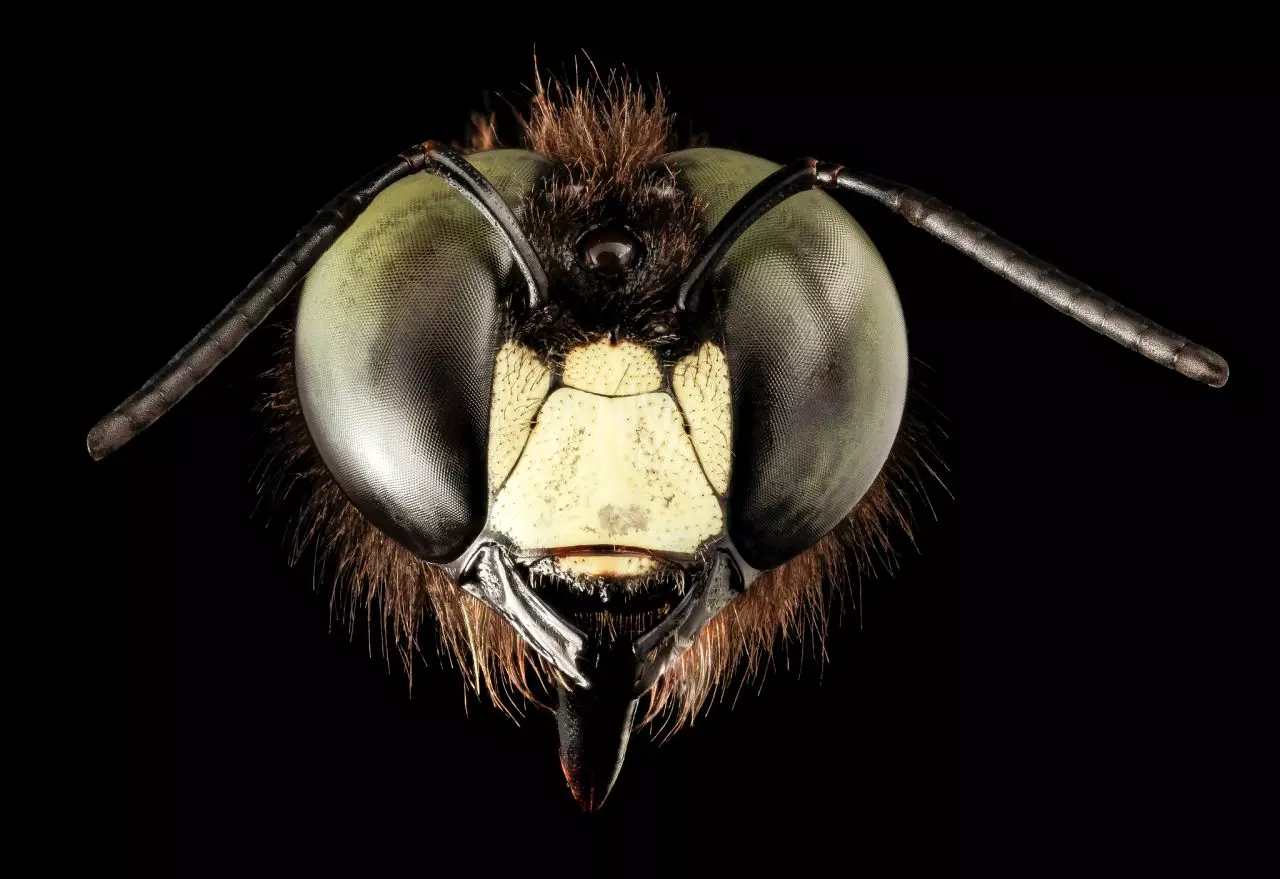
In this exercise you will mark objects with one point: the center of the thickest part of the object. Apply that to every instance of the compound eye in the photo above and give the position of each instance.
(610, 250)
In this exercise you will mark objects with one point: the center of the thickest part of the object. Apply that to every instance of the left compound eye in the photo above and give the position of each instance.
(610, 250)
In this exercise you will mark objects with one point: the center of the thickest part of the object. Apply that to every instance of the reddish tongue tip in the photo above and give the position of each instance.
(594, 731)
(583, 790)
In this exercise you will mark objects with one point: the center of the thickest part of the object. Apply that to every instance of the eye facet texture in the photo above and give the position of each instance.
(817, 354)
(397, 335)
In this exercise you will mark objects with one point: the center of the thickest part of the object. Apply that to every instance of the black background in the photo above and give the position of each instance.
(1065, 668)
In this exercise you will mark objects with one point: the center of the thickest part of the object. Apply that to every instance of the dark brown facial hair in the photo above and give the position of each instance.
(610, 132)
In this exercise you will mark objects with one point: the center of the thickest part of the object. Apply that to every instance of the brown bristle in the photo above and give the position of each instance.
(608, 138)
(607, 129)
(482, 134)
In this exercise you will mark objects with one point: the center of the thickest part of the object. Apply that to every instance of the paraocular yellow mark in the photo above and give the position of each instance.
(701, 385)
(520, 384)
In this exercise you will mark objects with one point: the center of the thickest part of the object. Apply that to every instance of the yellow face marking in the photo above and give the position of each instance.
(611, 460)
(612, 369)
(520, 384)
(701, 385)
(608, 471)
